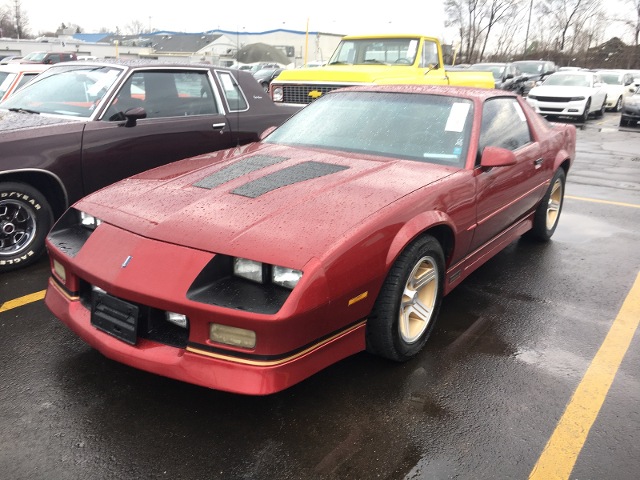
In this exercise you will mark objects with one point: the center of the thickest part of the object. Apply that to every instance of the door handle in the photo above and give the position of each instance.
(537, 163)
(219, 126)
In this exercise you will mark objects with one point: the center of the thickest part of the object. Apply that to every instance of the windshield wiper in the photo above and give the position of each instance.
(23, 110)
(337, 62)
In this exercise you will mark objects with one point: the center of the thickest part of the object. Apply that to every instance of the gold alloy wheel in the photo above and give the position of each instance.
(418, 300)
(555, 202)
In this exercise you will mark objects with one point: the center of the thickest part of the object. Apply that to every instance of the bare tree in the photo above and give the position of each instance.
(495, 12)
(136, 27)
(566, 16)
(634, 20)
(477, 21)
(14, 23)
(507, 45)
(466, 16)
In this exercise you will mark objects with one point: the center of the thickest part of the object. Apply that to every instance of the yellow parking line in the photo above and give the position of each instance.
(561, 452)
(607, 202)
(18, 302)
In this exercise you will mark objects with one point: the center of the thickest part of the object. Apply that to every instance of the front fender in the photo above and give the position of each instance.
(413, 228)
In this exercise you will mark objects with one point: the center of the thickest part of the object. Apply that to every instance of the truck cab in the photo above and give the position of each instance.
(374, 59)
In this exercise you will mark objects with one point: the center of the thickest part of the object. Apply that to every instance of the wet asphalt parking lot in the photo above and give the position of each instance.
(532, 372)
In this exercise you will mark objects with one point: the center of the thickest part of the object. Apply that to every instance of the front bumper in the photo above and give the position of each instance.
(204, 367)
(631, 112)
(572, 108)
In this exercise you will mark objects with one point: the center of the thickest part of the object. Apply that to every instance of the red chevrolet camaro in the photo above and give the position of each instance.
(250, 269)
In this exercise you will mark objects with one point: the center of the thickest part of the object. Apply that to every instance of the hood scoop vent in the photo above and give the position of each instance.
(238, 169)
(287, 176)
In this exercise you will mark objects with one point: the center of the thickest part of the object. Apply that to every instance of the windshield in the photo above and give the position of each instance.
(69, 90)
(568, 80)
(388, 51)
(531, 67)
(496, 70)
(611, 78)
(35, 56)
(424, 128)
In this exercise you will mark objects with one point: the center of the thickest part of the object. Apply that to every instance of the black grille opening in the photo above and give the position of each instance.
(152, 322)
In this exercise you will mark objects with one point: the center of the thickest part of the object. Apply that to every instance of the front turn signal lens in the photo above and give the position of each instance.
(59, 270)
(236, 337)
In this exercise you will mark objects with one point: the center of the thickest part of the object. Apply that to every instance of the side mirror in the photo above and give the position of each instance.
(497, 157)
(509, 76)
(267, 132)
(133, 115)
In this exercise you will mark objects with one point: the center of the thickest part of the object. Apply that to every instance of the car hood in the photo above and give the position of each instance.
(17, 121)
(235, 201)
(561, 91)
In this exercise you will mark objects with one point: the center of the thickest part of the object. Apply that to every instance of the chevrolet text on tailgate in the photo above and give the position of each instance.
(377, 59)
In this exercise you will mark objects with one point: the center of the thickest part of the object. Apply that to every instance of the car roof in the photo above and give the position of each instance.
(471, 93)
(574, 72)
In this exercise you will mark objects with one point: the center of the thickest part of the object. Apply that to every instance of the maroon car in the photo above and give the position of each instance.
(81, 126)
(249, 270)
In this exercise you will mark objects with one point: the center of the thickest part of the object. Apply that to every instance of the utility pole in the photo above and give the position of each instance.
(18, 27)
(526, 37)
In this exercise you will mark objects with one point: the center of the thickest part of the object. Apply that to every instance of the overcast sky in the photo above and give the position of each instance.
(331, 16)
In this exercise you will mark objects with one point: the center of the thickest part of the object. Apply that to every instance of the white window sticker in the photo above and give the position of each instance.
(413, 48)
(457, 117)
(7, 82)
(519, 111)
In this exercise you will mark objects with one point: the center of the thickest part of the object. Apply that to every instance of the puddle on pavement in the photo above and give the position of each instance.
(577, 228)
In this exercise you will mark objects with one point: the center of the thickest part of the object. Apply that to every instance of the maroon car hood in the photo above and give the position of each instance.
(236, 201)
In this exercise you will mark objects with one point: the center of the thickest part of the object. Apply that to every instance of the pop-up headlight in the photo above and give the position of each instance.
(264, 273)
(285, 277)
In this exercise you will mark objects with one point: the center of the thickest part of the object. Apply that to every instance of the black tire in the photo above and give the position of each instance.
(618, 106)
(600, 113)
(585, 115)
(412, 292)
(548, 212)
(624, 122)
(265, 87)
(25, 221)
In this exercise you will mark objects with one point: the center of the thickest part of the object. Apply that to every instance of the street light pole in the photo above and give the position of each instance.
(526, 37)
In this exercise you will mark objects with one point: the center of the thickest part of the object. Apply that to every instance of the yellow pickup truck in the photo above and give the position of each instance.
(379, 59)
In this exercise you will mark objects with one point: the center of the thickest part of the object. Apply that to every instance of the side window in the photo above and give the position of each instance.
(26, 78)
(429, 54)
(162, 94)
(232, 92)
(503, 125)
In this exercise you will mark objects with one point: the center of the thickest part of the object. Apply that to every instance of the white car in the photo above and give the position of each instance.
(573, 94)
(618, 84)
(15, 75)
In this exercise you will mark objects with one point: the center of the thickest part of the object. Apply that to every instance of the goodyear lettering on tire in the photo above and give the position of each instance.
(20, 259)
(20, 196)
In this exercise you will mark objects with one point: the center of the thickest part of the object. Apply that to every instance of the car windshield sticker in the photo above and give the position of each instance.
(457, 117)
(411, 51)
(104, 81)
(519, 111)
(7, 81)
(287, 176)
(238, 169)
